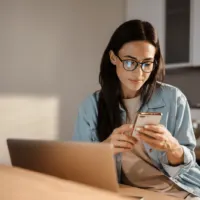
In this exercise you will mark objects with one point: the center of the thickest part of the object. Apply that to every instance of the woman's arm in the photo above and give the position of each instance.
(85, 125)
(177, 148)
(182, 158)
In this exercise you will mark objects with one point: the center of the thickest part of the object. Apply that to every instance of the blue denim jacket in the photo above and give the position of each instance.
(176, 118)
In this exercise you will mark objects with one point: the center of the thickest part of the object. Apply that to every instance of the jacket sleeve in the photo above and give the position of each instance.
(185, 135)
(85, 125)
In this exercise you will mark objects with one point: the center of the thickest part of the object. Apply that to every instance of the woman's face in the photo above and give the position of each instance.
(129, 54)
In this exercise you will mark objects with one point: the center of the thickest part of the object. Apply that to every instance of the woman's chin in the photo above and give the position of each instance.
(135, 88)
(131, 90)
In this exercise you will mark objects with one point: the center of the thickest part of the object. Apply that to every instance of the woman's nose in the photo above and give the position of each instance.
(138, 70)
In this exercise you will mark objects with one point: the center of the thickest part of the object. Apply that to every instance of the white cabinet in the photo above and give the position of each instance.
(154, 11)
(195, 32)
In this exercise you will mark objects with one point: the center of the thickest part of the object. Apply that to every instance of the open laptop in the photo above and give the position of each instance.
(89, 163)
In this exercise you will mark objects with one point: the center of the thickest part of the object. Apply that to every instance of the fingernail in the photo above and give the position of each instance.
(146, 126)
(131, 126)
(138, 129)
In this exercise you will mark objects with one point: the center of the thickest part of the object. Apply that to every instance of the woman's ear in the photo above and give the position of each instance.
(112, 57)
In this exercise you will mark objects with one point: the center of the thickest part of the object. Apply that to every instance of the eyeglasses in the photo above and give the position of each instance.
(131, 65)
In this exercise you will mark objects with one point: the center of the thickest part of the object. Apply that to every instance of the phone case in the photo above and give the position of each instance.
(143, 119)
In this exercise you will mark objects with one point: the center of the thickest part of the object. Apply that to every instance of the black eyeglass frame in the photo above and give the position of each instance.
(138, 63)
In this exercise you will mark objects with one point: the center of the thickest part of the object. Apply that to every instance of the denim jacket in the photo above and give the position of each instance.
(172, 103)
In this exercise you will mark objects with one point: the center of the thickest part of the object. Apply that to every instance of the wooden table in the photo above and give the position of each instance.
(18, 184)
(22, 184)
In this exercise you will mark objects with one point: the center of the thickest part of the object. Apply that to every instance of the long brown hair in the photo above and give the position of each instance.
(110, 94)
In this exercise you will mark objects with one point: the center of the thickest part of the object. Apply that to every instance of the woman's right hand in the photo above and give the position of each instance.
(121, 139)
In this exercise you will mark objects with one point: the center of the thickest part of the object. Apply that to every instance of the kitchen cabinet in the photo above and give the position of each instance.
(156, 12)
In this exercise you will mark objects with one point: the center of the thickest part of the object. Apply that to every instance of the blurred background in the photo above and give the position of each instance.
(50, 52)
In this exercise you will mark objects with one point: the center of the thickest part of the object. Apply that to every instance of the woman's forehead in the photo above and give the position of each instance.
(138, 49)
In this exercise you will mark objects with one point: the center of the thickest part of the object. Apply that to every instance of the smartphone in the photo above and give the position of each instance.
(146, 118)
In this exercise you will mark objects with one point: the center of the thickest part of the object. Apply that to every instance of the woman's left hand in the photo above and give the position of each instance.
(158, 137)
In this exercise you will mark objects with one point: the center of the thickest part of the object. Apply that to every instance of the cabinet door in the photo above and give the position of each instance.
(195, 25)
(177, 40)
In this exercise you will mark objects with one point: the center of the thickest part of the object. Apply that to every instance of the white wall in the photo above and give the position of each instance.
(50, 53)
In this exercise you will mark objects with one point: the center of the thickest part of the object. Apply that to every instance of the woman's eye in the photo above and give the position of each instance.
(147, 64)
(129, 63)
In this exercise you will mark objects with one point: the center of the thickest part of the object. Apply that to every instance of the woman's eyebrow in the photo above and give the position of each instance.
(148, 59)
(132, 57)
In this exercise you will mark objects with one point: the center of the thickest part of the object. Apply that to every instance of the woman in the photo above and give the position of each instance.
(162, 157)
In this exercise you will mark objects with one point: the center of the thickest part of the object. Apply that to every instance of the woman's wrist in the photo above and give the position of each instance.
(175, 155)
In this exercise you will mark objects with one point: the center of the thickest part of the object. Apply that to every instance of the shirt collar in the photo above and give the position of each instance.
(156, 101)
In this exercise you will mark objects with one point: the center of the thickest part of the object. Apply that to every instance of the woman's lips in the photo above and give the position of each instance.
(135, 81)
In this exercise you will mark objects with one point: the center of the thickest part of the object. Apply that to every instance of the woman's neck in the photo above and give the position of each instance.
(129, 94)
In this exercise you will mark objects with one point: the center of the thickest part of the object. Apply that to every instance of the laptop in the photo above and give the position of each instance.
(89, 163)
